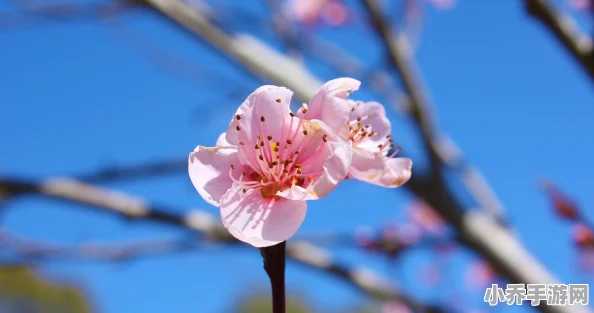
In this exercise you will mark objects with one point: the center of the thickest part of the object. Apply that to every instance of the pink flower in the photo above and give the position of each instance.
(363, 124)
(580, 5)
(443, 4)
(309, 12)
(265, 167)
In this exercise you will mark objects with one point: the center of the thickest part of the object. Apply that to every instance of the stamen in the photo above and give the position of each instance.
(289, 141)
(262, 118)
(238, 128)
(238, 117)
(269, 137)
(278, 100)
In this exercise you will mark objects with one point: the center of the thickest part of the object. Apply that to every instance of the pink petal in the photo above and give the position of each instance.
(260, 222)
(209, 171)
(222, 141)
(336, 167)
(329, 104)
(264, 93)
(328, 162)
(374, 115)
(374, 168)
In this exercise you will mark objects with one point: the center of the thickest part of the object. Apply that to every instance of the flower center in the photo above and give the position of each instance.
(360, 132)
(273, 165)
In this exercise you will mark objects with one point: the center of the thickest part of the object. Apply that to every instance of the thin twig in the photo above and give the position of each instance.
(563, 27)
(410, 80)
(134, 208)
(516, 264)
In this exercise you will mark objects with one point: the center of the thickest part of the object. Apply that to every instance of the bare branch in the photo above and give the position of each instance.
(411, 81)
(268, 64)
(34, 250)
(203, 223)
(563, 27)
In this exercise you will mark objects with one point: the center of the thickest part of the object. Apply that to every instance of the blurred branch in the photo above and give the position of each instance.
(283, 28)
(566, 31)
(64, 12)
(419, 104)
(134, 208)
(475, 229)
(34, 250)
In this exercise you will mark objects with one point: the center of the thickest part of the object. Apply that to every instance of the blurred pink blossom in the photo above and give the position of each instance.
(583, 236)
(425, 216)
(395, 307)
(260, 182)
(309, 12)
(443, 4)
(480, 274)
(366, 126)
(580, 5)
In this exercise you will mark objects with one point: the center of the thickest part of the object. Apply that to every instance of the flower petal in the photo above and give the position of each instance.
(209, 171)
(329, 104)
(260, 222)
(222, 141)
(328, 162)
(374, 115)
(263, 93)
(375, 168)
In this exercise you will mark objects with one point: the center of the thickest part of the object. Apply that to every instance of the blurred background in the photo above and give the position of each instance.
(101, 101)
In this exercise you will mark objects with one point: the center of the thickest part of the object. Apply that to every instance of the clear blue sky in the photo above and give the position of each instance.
(77, 96)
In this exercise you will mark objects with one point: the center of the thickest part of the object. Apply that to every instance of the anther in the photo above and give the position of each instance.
(352, 109)
(304, 110)
(289, 161)
(269, 137)
(285, 171)
(261, 143)
(244, 190)
(304, 132)
(380, 146)
(296, 152)
(232, 166)
(276, 149)
(289, 141)
(299, 171)
(278, 100)
(244, 173)
(358, 118)
(259, 136)
(261, 158)
(291, 113)
(297, 165)
(238, 128)
(262, 118)
(325, 138)
(257, 147)
(241, 143)
(238, 117)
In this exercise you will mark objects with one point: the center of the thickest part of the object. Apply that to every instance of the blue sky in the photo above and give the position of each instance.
(77, 96)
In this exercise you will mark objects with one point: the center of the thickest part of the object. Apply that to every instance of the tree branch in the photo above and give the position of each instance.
(134, 208)
(271, 66)
(566, 31)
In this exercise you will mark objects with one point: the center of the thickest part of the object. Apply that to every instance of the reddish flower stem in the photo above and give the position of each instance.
(274, 264)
